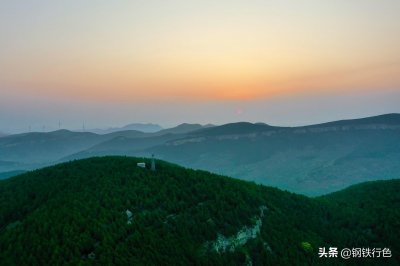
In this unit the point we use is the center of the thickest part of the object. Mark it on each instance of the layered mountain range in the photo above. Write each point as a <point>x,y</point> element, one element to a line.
<point>311,160</point>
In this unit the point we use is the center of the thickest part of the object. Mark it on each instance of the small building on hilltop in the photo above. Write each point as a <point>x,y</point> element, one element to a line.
<point>141,165</point>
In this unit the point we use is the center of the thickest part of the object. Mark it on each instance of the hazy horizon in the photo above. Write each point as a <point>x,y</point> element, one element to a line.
<point>84,127</point>
<point>168,62</point>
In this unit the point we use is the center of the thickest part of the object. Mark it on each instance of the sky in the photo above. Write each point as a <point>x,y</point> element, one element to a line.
<point>110,63</point>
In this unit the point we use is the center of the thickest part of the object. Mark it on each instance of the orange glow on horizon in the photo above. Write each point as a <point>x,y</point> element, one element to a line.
<point>120,88</point>
<point>203,51</point>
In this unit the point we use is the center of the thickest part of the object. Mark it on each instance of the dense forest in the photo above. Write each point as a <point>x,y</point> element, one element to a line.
<point>109,211</point>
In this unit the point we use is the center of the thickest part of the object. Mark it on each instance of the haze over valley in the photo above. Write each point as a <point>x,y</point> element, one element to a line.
<point>311,160</point>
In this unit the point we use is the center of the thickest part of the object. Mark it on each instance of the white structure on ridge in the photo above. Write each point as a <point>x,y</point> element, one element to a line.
<point>142,165</point>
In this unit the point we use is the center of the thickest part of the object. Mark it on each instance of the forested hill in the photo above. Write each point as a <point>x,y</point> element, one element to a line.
<point>108,211</point>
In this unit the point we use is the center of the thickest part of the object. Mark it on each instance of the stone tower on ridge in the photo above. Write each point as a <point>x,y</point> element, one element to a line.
<point>153,163</point>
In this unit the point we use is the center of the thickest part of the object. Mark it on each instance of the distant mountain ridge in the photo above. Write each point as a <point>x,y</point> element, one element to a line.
<point>235,128</point>
<point>5,175</point>
<point>27,151</point>
<point>146,128</point>
<point>185,128</point>
<point>385,119</point>
<point>312,160</point>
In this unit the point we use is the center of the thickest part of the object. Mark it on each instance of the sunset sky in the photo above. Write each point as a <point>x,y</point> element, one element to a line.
<point>110,63</point>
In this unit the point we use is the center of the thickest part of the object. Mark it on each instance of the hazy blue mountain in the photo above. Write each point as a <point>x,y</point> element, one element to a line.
<point>108,211</point>
<point>184,128</point>
<point>126,134</point>
<point>235,128</point>
<point>5,175</point>
<point>38,148</point>
<point>122,145</point>
<point>2,134</point>
<point>8,166</point>
<point>134,142</point>
<point>33,150</point>
<point>313,159</point>
<point>142,127</point>
<point>386,119</point>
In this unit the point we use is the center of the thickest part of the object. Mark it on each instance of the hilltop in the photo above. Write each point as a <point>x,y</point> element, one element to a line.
<point>103,211</point>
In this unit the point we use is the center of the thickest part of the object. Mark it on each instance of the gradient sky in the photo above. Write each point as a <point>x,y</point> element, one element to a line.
<point>109,63</point>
